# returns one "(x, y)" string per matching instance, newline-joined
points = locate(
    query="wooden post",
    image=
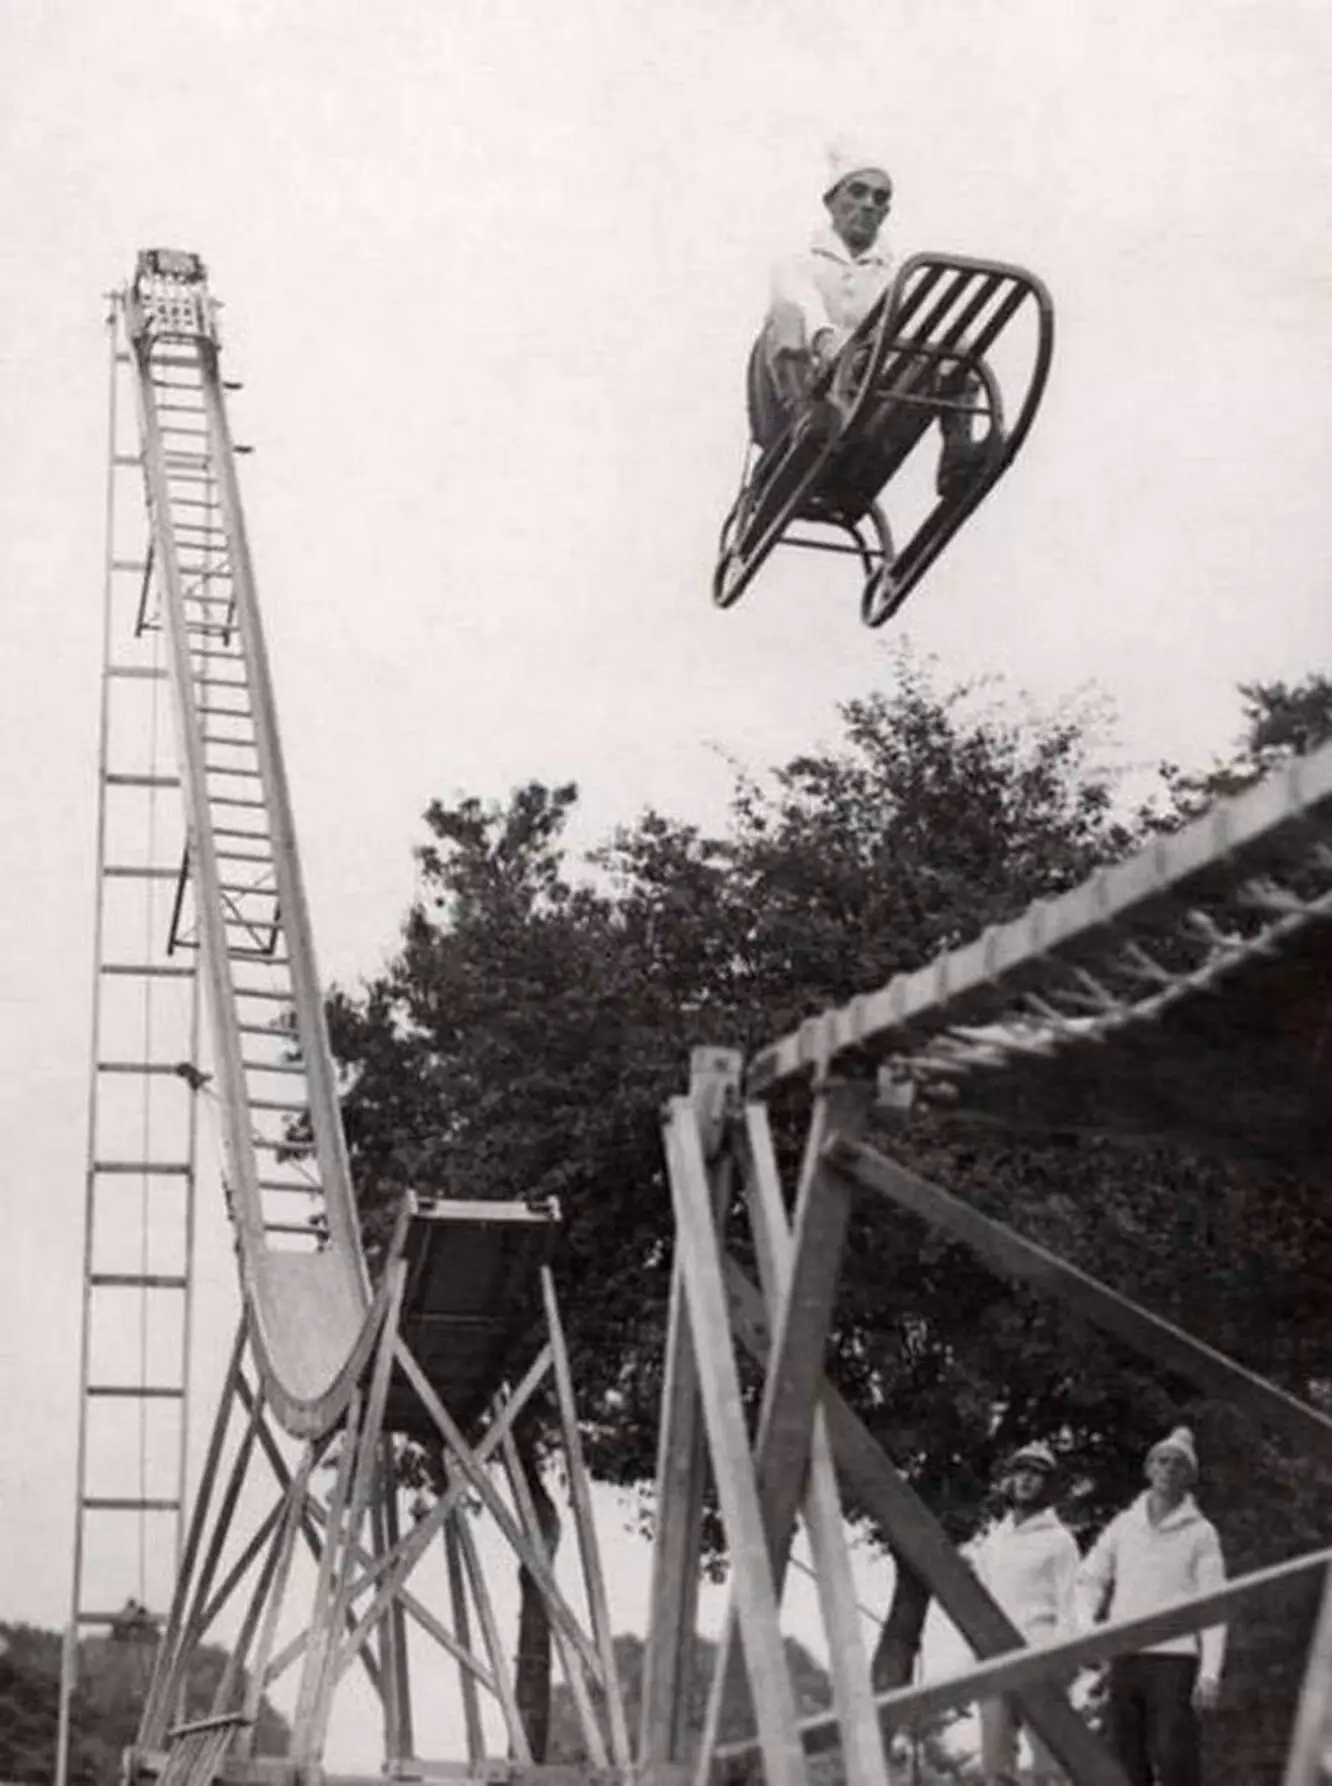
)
(670, 1646)
(728, 1443)
(848, 1657)
(462, 1630)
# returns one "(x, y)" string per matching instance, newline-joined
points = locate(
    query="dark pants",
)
(1152, 1725)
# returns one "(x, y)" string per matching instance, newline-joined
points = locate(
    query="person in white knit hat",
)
(1028, 1562)
(1160, 1549)
(822, 293)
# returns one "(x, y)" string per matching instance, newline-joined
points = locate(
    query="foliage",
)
(113, 1677)
(1279, 722)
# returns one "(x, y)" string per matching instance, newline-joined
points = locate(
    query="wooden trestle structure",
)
(464, 1290)
(1110, 1007)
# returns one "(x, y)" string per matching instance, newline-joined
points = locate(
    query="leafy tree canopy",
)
(113, 1677)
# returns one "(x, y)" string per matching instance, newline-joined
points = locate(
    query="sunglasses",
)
(877, 195)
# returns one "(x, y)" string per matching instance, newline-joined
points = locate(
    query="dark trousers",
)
(1152, 1726)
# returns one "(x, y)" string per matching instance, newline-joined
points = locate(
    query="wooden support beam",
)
(728, 1444)
(917, 1538)
(671, 1641)
(167, 1670)
(575, 1676)
(292, 1511)
(803, 1275)
(462, 1630)
(1008, 1673)
(468, 1464)
(519, 1747)
(304, 1739)
(311, 1511)
(388, 1575)
(397, 1672)
(848, 1655)
(589, 1555)
(364, 1471)
(234, 1576)
(1012, 1256)
(1311, 1740)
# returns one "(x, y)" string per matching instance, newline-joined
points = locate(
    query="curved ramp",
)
(1186, 992)
(241, 900)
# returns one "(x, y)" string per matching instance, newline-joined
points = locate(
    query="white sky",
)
(490, 272)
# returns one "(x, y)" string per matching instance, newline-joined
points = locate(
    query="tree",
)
(104, 1712)
(1279, 722)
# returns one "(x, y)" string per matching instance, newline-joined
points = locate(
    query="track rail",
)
(1182, 992)
(289, 1189)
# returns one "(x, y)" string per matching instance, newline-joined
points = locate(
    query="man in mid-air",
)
(820, 296)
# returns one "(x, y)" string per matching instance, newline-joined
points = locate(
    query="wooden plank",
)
(390, 1576)
(519, 1747)
(575, 1677)
(728, 1441)
(848, 1656)
(468, 1464)
(285, 1543)
(304, 1734)
(671, 1640)
(1022, 1667)
(169, 1665)
(1233, 839)
(362, 1484)
(1307, 1760)
(462, 1630)
(672, 1635)
(1012, 1256)
(397, 1671)
(803, 1275)
(594, 1583)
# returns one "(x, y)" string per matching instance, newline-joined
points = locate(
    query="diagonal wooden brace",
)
(698, 1255)
(803, 1271)
(1012, 1256)
(916, 1536)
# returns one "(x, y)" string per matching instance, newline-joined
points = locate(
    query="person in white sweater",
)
(1158, 1550)
(1028, 1562)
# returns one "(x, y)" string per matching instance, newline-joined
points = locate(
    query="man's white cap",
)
(1180, 1441)
(847, 157)
(1035, 1456)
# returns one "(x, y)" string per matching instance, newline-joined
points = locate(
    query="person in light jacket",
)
(1160, 1549)
(823, 292)
(1028, 1563)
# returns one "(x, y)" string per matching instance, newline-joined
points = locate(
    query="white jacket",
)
(830, 286)
(1030, 1570)
(1144, 1567)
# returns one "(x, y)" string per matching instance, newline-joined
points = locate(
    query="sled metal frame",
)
(810, 1447)
(365, 1563)
(908, 363)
